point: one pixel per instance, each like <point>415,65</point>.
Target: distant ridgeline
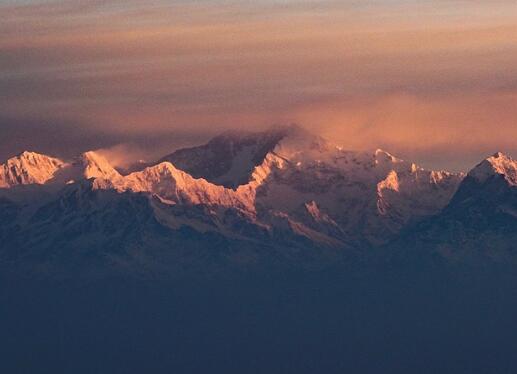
<point>282,197</point>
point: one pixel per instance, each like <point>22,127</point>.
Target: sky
<point>431,81</point>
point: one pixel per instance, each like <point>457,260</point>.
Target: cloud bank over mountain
<point>410,76</point>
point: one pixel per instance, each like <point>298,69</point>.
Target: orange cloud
<point>410,76</point>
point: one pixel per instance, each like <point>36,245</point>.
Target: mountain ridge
<point>305,193</point>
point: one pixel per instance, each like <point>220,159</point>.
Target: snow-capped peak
<point>497,164</point>
<point>300,145</point>
<point>382,155</point>
<point>230,158</point>
<point>28,168</point>
<point>240,179</point>
<point>96,166</point>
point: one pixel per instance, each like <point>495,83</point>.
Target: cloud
<point>449,132</point>
<point>410,75</point>
<point>68,139</point>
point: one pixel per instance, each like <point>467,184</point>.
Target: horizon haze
<point>427,81</point>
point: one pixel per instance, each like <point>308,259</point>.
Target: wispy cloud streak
<point>406,74</point>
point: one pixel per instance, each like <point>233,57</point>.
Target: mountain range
<point>283,195</point>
